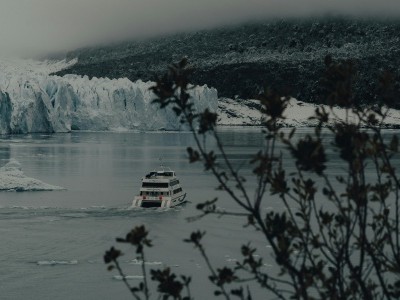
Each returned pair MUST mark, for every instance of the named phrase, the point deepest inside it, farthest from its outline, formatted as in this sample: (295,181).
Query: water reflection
(5,153)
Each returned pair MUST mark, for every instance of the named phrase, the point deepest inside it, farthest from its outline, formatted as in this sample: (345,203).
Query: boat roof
(162,173)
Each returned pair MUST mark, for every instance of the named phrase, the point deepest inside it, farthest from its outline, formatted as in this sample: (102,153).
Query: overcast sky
(39,26)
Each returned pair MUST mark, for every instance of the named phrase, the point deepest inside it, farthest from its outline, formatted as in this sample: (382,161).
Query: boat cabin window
(155,184)
(151,174)
(177,190)
(166,174)
(154,194)
(174,182)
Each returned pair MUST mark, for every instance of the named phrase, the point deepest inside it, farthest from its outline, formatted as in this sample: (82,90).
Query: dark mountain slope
(287,55)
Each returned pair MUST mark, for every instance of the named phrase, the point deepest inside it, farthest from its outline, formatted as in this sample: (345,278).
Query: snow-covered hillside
(31,100)
(241,112)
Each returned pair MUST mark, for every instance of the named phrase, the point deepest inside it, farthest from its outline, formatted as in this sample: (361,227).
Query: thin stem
(124,280)
(146,288)
(210,267)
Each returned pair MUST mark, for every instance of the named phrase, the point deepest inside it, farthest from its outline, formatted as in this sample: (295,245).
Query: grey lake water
(52,243)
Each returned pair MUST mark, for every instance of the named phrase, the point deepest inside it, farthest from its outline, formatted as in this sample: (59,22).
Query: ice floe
(12,178)
(56,262)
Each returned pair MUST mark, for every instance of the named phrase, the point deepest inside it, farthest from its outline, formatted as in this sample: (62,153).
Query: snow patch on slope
(34,67)
(241,112)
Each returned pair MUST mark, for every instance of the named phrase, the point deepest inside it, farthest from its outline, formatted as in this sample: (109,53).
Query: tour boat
(160,189)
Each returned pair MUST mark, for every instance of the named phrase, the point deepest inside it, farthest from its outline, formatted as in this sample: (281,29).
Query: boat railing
(154,198)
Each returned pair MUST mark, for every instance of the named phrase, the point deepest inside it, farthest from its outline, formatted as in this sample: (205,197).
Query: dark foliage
(338,236)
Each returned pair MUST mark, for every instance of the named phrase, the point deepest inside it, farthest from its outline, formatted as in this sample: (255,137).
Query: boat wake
(58,213)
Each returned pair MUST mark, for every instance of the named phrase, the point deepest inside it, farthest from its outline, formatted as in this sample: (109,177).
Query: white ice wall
(33,101)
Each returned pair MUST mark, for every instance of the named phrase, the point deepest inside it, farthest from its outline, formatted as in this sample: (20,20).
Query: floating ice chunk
(56,262)
(13,179)
(128,277)
(139,262)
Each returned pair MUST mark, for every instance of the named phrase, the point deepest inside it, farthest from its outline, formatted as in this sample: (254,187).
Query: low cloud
(42,26)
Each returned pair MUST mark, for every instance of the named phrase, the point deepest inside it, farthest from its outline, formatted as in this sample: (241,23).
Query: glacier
(32,100)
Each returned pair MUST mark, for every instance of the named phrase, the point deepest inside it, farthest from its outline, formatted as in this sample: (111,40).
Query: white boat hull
(161,202)
(160,189)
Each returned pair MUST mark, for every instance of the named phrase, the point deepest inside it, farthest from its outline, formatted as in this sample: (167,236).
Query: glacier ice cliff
(31,100)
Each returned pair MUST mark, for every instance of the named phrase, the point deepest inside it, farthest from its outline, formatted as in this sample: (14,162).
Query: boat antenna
(161,163)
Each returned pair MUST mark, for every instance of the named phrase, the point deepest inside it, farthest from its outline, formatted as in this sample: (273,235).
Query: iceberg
(32,100)
(12,178)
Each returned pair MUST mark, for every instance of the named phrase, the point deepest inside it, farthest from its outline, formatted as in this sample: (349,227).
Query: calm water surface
(53,242)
